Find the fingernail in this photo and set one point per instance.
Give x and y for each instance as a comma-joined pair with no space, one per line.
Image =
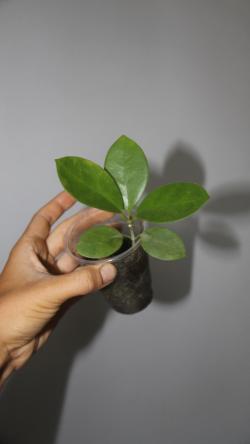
108,273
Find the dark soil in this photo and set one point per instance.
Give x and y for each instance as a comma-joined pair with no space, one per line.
131,291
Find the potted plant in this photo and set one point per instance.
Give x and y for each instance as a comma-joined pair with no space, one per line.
129,236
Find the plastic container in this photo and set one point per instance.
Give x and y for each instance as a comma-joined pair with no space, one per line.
131,290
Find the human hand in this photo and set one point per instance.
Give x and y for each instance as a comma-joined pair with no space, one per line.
39,280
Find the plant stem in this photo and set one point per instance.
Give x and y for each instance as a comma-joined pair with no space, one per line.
129,219
130,226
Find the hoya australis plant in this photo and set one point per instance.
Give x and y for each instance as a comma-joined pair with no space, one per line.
126,240
119,187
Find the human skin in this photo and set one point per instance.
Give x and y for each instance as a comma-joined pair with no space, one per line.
39,282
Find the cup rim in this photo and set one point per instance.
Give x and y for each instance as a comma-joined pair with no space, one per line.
110,259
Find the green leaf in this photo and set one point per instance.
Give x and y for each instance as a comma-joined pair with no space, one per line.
89,183
98,242
128,165
163,244
172,202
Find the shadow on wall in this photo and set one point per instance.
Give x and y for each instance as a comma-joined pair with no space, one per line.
32,402
172,281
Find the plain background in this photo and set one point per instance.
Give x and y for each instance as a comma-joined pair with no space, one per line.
173,75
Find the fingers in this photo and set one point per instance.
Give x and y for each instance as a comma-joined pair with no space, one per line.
41,222
81,281
86,218
66,263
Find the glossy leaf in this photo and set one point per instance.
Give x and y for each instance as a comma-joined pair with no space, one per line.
127,163
172,202
89,183
98,242
162,243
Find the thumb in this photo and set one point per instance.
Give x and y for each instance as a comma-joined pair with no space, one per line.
81,281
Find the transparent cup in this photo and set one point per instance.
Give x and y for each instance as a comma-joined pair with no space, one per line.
131,290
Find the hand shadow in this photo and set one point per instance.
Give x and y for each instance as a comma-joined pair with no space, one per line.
31,403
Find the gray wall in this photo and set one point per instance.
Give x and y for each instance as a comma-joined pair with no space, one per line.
174,75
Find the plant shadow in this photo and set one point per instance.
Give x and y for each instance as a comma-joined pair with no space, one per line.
232,199
172,281
32,402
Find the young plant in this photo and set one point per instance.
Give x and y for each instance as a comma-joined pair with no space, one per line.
119,187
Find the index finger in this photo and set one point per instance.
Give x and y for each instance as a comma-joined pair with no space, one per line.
85,218
42,221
